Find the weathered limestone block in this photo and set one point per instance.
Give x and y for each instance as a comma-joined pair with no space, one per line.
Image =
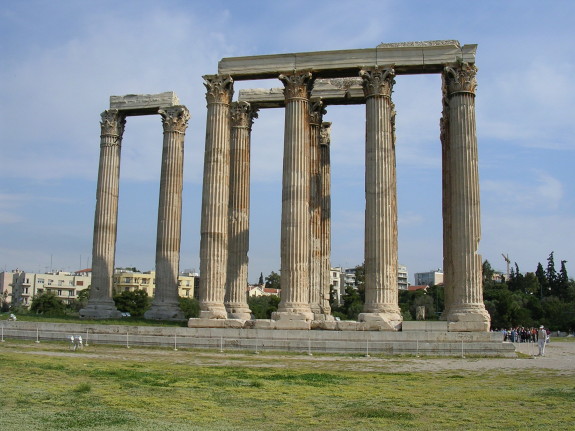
139,103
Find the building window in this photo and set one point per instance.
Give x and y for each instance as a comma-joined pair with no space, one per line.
60,282
71,292
79,283
40,281
59,292
50,282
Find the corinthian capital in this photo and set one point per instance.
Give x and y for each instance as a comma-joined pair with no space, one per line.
377,82
316,112
325,133
460,78
175,118
220,88
112,123
297,85
243,115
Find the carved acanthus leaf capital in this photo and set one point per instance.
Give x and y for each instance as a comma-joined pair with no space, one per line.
175,118
220,88
316,112
243,115
377,82
112,123
297,85
325,133
460,78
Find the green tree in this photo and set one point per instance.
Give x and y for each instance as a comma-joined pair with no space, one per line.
263,306
551,274
360,281
562,281
135,302
48,304
273,281
190,307
487,272
542,278
426,301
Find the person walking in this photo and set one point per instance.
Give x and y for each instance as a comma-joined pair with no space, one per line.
541,340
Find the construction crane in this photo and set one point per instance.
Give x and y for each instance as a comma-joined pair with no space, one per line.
508,263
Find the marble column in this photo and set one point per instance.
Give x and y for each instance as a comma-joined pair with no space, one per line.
295,226
316,115
215,196
381,292
242,117
100,304
465,309
325,229
165,305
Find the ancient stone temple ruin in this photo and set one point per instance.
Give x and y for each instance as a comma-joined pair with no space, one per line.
175,121
311,83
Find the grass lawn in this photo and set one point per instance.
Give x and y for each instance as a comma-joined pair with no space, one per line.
47,387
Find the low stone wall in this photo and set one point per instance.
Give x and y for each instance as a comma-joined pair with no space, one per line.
409,342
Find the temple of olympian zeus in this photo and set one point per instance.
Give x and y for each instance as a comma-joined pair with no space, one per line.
311,83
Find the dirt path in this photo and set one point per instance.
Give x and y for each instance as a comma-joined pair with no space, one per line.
560,356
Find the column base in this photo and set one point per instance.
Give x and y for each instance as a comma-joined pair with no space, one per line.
468,319
166,311
100,310
292,315
381,321
213,312
238,311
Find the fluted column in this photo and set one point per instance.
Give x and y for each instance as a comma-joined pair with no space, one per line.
316,114
325,222
465,309
100,304
295,229
215,195
381,295
165,305
242,116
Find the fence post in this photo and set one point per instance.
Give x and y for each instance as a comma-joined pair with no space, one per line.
37,335
127,339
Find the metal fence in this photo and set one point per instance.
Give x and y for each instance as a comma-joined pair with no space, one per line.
256,345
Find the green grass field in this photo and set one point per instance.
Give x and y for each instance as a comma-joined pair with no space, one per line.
47,387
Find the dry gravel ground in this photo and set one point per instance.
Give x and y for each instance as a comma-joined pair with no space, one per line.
559,356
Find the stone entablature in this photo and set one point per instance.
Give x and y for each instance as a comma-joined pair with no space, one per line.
412,58
142,104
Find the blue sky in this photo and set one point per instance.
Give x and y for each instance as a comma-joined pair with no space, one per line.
61,60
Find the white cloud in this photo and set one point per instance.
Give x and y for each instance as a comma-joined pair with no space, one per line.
542,192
